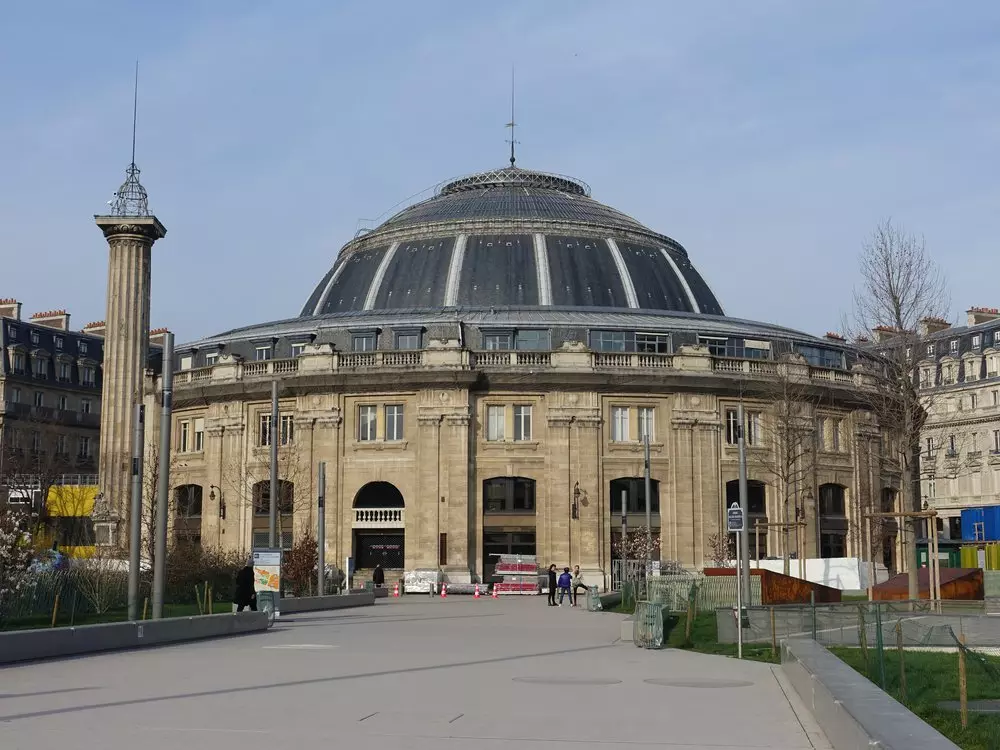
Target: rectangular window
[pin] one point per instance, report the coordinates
(619, 424)
(363, 342)
(61, 445)
(496, 423)
(394, 422)
(367, 422)
(40, 368)
(732, 427)
(930, 445)
(977, 341)
(186, 362)
(36, 441)
(34, 337)
(199, 435)
(652, 343)
(443, 549)
(85, 405)
(58, 342)
(65, 372)
(264, 429)
(83, 447)
(82, 347)
(211, 359)
(287, 429)
(183, 436)
(996, 441)
(522, 422)
(973, 401)
(498, 341)
(298, 349)
(63, 402)
(952, 449)
(973, 443)
(608, 341)
(835, 434)
(408, 340)
(18, 363)
(647, 423)
(39, 398)
(953, 346)
(262, 353)
(930, 350)
(753, 428)
(817, 356)
(12, 331)
(87, 375)
(15, 395)
(537, 340)
(821, 423)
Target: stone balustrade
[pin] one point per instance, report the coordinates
(379, 518)
(694, 360)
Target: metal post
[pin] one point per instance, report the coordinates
(649, 515)
(163, 480)
(624, 546)
(321, 531)
(135, 513)
(739, 594)
(744, 539)
(272, 511)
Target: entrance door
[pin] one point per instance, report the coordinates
(383, 548)
(499, 542)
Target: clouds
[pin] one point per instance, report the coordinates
(767, 137)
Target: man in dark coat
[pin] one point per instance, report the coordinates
(378, 576)
(245, 595)
(552, 585)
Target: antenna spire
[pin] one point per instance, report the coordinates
(135, 108)
(512, 124)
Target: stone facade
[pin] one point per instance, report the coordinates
(463, 422)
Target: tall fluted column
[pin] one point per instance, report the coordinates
(126, 349)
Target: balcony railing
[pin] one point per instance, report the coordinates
(462, 359)
(51, 415)
(378, 518)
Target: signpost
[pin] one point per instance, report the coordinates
(736, 524)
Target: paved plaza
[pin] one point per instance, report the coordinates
(414, 673)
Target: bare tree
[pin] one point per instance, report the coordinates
(789, 444)
(245, 475)
(901, 286)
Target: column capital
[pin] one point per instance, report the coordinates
(144, 227)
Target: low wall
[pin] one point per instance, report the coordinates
(29, 645)
(336, 601)
(852, 711)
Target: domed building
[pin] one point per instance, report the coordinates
(479, 374)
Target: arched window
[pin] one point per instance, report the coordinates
(262, 497)
(756, 513)
(379, 495)
(187, 500)
(832, 521)
(509, 495)
(634, 489)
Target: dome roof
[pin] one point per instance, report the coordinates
(512, 238)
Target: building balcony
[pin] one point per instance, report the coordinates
(686, 361)
(379, 518)
(51, 415)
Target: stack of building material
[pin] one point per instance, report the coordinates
(421, 581)
(520, 574)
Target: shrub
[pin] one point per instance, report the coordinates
(299, 566)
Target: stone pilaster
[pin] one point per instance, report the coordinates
(126, 347)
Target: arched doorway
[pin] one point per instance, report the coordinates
(756, 513)
(508, 520)
(378, 527)
(832, 521)
(262, 509)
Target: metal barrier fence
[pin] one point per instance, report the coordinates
(713, 592)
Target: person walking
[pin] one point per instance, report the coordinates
(565, 580)
(552, 585)
(577, 583)
(378, 576)
(245, 595)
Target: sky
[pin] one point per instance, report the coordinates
(769, 138)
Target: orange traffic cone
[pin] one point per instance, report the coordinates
(476, 595)
(395, 590)
(495, 595)
(444, 590)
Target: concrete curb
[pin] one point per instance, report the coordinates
(30, 645)
(336, 601)
(853, 713)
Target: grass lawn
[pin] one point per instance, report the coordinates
(933, 677)
(66, 618)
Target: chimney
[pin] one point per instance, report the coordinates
(95, 329)
(977, 315)
(834, 336)
(883, 333)
(10, 308)
(933, 325)
(58, 319)
(156, 336)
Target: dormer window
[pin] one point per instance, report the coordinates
(59, 342)
(262, 353)
(34, 337)
(363, 342)
(953, 346)
(298, 349)
(930, 350)
(82, 345)
(977, 341)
